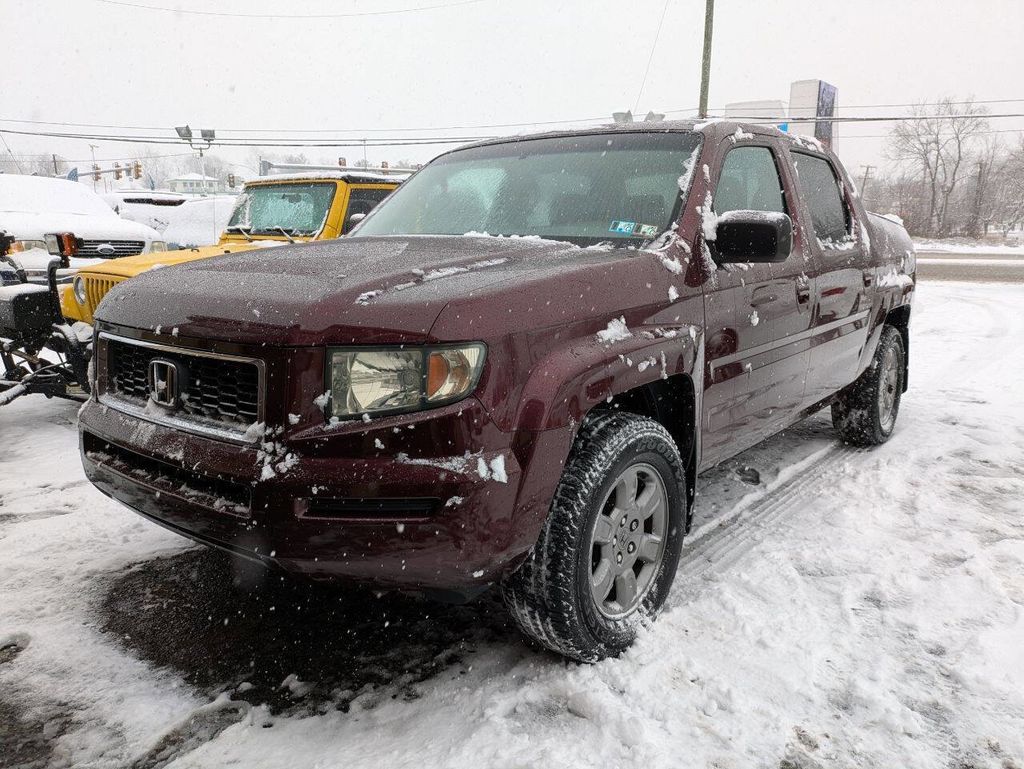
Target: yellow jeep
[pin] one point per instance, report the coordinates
(271, 210)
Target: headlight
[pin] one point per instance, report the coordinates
(158, 245)
(366, 381)
(27, 245)
(78, 286)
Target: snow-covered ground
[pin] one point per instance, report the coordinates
(836, 608)
(966, 247)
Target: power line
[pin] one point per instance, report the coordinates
(874, 106)
(925, 104)
(427, 140)
(230, 142)
(886, 136)
(866, 118)
(38, 155)
(467, 127)
(395, 129)
(348, 15)
(8, 146)
(650, 56)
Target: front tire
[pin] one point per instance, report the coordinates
(865, 414)
(608, 552)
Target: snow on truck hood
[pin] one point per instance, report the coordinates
(26, 225)
(352, 290)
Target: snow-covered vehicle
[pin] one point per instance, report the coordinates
(153, 208)
(32, 207)
(272, 210)
(199, 222)
(39, 351)
(422, 405)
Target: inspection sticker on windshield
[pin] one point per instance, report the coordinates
(632, 228)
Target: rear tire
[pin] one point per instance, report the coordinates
(865, 414)
(609, 550)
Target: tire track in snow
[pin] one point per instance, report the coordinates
(721, 543)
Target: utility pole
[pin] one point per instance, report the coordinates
(864, 179)
(93, 148)
(55, 171)
(705, 66)
(979, 189)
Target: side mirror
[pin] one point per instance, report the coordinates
(355, 219)
(62, 244)
(753, 236)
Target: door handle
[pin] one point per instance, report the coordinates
(803, 294)
(868, 279)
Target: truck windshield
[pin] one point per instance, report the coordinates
(299, 209)
(584, 189)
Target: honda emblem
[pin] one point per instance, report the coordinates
(164, 382)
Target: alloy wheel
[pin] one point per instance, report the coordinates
(627, 541)
(888, 389)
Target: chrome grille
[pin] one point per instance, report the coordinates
(219, 394)
(89, 248)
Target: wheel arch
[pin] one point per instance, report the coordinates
(593, 376)
(899, 318)
(672, 403)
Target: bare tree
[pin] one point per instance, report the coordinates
(983, 205)
(936, 145)
(1009, 192)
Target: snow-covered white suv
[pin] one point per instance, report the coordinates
(32, 207)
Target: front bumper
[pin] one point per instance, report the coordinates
(414, 514)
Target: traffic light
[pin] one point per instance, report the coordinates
(342, 163)
(136, 170)
(117, 170)
(231, 181)
(95, 172)
(383, 164)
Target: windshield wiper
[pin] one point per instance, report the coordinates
(285, 232)
(241, 229)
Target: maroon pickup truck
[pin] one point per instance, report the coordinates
(513, 370)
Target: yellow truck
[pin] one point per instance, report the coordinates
(271, 210)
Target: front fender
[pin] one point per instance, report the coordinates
(70, 308)
(570, 381)
(565, 386)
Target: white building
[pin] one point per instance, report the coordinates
(196, 184)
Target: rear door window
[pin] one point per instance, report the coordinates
(819, 186)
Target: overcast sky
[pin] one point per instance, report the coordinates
(484, 62)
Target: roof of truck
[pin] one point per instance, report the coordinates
(715, 126)
(365, 177)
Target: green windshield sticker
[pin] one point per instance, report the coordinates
(632, 228)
